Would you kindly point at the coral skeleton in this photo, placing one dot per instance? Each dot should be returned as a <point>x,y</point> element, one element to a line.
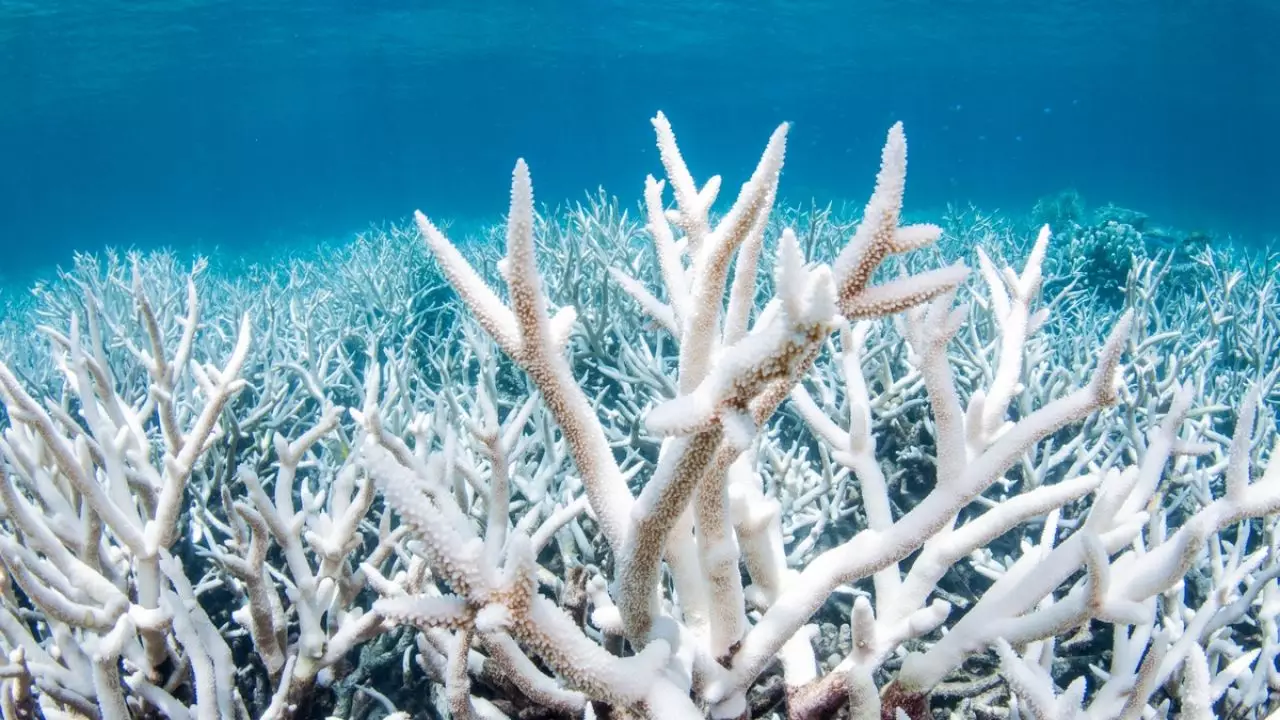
<point>746,469</point>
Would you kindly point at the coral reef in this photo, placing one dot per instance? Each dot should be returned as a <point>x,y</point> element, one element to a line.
<point>765,463</point>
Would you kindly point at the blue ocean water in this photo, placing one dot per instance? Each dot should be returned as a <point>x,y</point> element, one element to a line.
<point>261,125</point>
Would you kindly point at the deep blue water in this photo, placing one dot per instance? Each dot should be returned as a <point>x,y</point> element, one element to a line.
<point>255,125</point>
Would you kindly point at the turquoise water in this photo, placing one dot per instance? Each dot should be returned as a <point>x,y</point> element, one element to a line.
<point>256,125</point>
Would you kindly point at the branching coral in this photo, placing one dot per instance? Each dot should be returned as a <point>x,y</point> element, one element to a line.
<point>596,510</point>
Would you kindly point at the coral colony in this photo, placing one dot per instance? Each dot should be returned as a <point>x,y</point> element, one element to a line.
<point>758,464</point>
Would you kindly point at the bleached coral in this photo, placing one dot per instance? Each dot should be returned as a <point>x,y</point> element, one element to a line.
<point>590,512</point>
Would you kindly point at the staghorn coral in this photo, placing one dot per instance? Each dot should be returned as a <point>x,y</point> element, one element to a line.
<point>556,520</point>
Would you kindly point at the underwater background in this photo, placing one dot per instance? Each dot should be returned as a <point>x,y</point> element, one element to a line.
<point>262,127</point>
<point>291,141</point>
